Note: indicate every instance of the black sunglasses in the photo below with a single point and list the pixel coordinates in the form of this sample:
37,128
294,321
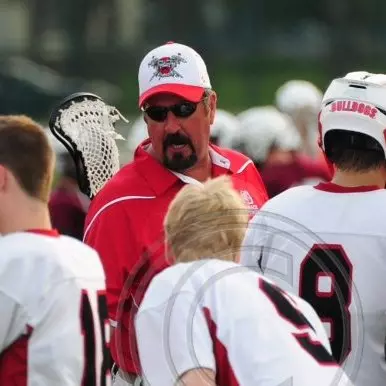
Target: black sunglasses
180,110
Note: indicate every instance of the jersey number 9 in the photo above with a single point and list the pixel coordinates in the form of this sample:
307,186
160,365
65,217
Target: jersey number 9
326,283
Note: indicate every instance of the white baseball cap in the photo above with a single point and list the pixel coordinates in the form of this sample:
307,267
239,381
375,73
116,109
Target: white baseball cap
355,103
173,68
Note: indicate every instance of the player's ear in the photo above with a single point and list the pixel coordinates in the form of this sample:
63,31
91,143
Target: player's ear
7,179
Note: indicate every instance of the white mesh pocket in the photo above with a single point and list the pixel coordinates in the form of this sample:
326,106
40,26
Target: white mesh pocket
89,124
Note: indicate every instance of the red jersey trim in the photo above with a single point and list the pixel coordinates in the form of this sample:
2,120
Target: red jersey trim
224,371
244,166
104,207
14,361
44,232
334,188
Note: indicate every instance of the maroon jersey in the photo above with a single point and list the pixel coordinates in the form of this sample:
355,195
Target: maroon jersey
68,209
278,177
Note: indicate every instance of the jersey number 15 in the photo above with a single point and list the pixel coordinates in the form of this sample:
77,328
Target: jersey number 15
93,343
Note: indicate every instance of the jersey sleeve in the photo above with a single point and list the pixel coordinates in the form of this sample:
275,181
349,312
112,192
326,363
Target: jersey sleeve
16,272
172,339
111,235
13,322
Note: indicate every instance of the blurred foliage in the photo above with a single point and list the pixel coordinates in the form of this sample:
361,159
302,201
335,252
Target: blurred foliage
251,46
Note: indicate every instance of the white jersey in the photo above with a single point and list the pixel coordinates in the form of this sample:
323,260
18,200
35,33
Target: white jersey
327,244
222,316
52,312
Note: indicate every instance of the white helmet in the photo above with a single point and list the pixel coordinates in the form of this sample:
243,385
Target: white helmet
298,95
265,126
137,134
355,103
224,127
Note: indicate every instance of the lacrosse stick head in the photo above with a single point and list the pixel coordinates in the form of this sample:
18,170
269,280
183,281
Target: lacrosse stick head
84,124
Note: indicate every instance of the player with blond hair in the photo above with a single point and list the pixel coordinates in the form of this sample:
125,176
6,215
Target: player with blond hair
202,212
52,288
206,320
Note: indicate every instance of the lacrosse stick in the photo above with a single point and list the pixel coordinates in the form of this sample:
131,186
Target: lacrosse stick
84,124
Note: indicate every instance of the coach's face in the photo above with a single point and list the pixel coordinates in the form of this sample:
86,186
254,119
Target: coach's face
180,135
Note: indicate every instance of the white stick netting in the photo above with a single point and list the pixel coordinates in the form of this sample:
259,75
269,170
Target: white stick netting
89,124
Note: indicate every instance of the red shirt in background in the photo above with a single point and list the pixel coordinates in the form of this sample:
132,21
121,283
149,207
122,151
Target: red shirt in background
279,177
68,208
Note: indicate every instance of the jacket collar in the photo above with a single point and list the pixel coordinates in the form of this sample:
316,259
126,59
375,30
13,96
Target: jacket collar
160,179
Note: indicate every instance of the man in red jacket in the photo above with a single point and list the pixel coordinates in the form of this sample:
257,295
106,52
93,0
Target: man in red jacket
125,220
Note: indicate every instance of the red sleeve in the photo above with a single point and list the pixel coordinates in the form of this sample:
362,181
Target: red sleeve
129,268
112,237
315,168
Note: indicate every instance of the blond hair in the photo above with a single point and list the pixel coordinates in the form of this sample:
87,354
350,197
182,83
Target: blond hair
207,221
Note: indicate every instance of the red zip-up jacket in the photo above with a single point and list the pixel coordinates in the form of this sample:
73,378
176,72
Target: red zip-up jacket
125,225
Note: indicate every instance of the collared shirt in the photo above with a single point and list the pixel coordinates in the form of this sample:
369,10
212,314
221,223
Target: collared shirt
125,225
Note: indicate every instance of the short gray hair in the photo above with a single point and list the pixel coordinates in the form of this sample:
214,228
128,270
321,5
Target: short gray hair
207,93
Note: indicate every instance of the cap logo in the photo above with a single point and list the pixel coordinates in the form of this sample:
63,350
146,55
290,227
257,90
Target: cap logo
166,67
247,198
